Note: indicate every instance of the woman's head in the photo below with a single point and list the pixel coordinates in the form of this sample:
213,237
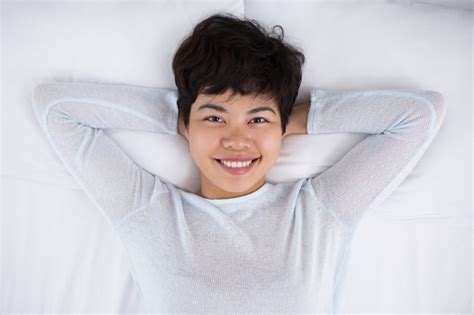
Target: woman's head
235,64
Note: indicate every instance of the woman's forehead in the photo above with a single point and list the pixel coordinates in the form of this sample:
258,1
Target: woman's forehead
228,98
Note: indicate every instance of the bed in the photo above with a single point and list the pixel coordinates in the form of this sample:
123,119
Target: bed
413,254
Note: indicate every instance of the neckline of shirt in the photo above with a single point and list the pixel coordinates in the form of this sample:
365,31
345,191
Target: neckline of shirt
243,198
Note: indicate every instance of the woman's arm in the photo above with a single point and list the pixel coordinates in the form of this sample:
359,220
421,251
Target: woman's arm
74,115
401,124
102,105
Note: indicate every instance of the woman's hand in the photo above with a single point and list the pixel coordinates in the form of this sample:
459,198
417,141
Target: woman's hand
298,119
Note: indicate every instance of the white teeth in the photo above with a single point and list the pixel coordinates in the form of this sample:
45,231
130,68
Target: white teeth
236,164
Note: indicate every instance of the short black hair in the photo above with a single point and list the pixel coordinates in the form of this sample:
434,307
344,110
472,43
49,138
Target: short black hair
227,52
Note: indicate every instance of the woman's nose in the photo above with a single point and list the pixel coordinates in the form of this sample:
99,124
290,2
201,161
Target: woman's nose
236,141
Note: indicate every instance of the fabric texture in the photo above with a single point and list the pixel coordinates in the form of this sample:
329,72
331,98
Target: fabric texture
282,248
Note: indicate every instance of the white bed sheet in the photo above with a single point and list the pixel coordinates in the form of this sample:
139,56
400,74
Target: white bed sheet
60,255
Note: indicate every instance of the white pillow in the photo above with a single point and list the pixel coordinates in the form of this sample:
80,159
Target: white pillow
378,61
404,55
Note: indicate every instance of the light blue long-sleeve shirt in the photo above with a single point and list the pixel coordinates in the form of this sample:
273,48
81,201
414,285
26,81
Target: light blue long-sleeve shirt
283,248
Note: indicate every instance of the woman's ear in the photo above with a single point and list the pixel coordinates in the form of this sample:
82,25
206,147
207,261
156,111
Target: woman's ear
181,128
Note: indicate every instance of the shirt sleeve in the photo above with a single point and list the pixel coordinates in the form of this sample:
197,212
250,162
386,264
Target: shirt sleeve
74,115
401,125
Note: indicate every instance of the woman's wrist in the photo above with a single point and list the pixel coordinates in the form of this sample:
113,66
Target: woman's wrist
298,119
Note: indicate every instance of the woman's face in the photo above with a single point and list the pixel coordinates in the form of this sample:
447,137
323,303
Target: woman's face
230,132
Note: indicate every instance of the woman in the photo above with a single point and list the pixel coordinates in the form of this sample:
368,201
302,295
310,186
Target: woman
240,244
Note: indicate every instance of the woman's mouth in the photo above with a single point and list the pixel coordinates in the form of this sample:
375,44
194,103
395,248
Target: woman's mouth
237,170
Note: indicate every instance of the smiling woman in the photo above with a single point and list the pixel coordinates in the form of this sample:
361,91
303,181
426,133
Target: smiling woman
234,143
235,118
242,245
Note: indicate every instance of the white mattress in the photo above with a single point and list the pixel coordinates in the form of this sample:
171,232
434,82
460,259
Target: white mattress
412,255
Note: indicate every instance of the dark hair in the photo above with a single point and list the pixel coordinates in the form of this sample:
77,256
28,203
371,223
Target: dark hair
224,52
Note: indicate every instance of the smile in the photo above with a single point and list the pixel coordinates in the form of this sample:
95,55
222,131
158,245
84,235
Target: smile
237,170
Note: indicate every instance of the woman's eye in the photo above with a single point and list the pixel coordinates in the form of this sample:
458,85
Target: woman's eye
207,119
263,120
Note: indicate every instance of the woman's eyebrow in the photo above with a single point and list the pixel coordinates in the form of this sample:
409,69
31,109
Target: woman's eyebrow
222,109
